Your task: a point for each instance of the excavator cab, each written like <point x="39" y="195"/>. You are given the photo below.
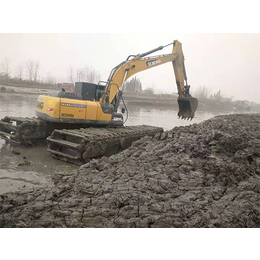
<point x="187" y="105"/>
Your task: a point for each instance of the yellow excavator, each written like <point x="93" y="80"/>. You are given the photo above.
<point x="93" y="104"/>
<point x="68" y="118"/>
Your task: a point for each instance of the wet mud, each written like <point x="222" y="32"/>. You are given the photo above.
<point x="203" y="175"/>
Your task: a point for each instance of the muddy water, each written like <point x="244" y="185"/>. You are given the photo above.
<point x="43" y="168"/>
<point x="167" y="119"/>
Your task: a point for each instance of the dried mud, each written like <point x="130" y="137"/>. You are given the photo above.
<point x="203" y="175"/>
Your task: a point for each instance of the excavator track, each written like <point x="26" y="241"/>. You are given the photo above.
<point x="29" y="131"/>
<point x="23" y="130"/>
<point x="72" y="142"/>
<point x="81" y="145"/>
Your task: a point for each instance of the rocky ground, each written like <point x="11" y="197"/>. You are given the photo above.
<point x="203" y="175"/>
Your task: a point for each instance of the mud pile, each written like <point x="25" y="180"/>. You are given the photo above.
<point x="203" y="175"/>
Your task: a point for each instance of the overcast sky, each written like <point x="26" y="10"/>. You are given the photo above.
<point x="226" y="62"/>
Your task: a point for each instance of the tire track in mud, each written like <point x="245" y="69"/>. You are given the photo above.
<point x="203" y="175"/>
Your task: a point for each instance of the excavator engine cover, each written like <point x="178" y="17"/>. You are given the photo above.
<point x="187" y="107"/>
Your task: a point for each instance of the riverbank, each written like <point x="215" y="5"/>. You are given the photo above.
<point x="203" y="175"/>
<point x="25" y="90"/>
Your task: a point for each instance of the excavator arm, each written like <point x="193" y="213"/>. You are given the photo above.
<point x="126" y="69"/>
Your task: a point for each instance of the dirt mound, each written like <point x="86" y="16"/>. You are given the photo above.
<point x="203" y="175"/>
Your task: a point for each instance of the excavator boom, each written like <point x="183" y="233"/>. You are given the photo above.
<point x="126" y="69"/>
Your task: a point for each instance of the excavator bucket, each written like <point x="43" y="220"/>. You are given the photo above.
<point x="187" y="107"/>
